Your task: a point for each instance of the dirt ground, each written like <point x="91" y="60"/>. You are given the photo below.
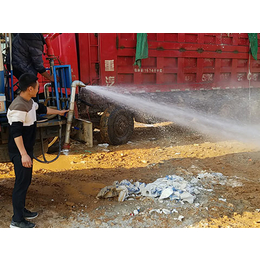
<point x="64" y="192"/>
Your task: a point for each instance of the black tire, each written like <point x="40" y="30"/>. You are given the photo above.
<point x="116" y="126"/>
<point x="4" y="155"/>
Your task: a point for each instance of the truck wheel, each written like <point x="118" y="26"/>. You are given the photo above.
<point x="116" y="125"/>
<point x="4" y="155"/>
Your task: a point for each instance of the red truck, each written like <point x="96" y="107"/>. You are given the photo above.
<point x="180" y="67"/>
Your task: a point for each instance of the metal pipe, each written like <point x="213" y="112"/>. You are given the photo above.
<point x="48" y="38"/>
<point x="46" y="90"/>
<point x="74" y="84"/>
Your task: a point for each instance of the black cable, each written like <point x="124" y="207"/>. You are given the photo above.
<point x="43" y="153"/>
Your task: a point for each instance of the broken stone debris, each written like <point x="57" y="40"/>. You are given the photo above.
<point x="65" y="151"/>
<point x="180" y="218"/>
<point x="159" y="211"/>
<point x="105" y="145"/>
<point x="171" y="187"/>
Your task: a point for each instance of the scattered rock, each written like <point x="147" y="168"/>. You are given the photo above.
<point x="69" y="203"/>
<point x="98" y="222"/>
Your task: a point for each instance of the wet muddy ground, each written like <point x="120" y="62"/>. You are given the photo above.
<point x="64" y="192"/>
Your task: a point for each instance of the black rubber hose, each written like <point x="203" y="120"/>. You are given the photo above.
<point x="43" y="154"/>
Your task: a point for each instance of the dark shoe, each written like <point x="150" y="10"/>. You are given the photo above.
<point x="29" y="215"/>
<point x="22" y="224"/>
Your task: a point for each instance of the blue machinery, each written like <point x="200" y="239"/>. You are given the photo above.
<point x="59" y="94"/>
<point x="59" y="89"/>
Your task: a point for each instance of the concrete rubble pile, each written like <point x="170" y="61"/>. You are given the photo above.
<point x="172" y="187"/>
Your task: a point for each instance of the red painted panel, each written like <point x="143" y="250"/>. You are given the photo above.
<point x="108" y="58"/>
<point x="176" y="60"/>
<point x="84" y="64"/>
<point x="64" y="47"/>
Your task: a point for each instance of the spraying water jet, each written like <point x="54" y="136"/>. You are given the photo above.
<point x="205" y="123"/>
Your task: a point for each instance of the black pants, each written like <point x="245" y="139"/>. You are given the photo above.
<point x="23" y="177"/>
